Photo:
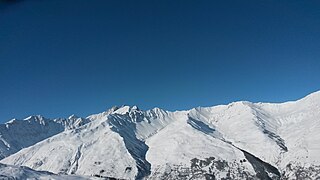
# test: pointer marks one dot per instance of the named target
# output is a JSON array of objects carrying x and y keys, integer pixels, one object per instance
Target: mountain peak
[
  {"x": 126, "y": 109},
  {"x": 73, "y": 116},
  {"x": 35, "y": 117}
]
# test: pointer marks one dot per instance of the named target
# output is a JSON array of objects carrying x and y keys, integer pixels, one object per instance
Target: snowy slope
[
  {"x": 299, "y": 126},
  {"x": 188, "y": 148},
  {"x": 241, "y": 140},
  {"x": 14, "y": 172}
]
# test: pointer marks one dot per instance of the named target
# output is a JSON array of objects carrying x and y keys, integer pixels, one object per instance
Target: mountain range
[{"x": 241, "y": 140}]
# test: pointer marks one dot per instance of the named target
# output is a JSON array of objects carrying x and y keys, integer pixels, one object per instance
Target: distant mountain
[
  {"x": 241, "y": 140},
  {"x": 18, "y": 134}
]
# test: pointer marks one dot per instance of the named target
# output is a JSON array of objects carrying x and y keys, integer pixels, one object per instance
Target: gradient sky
[{"x": 63, "y": 57}]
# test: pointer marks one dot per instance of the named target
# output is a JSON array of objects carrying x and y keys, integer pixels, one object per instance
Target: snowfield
[{"x": 241, "y": 140}]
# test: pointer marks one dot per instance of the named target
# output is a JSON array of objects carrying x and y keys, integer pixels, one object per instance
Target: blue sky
[{"x": 59, "y": 58}]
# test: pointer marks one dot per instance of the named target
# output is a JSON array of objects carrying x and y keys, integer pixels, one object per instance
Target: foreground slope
[
  {"x": 242, "y": 140},
  {"x": 14, "y": 172}
]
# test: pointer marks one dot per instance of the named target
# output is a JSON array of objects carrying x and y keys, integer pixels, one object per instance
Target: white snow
[{"x": 126, "y": 142}]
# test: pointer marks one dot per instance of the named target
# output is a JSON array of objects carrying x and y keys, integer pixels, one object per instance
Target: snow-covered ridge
[{"x": 240, "y": 140}]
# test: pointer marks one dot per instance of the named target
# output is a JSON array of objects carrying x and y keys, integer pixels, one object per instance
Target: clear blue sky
[{"x": 73, "y": 56}]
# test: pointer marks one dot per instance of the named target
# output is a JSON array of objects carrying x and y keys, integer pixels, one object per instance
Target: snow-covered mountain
[{"x": 241, "y": 140}]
